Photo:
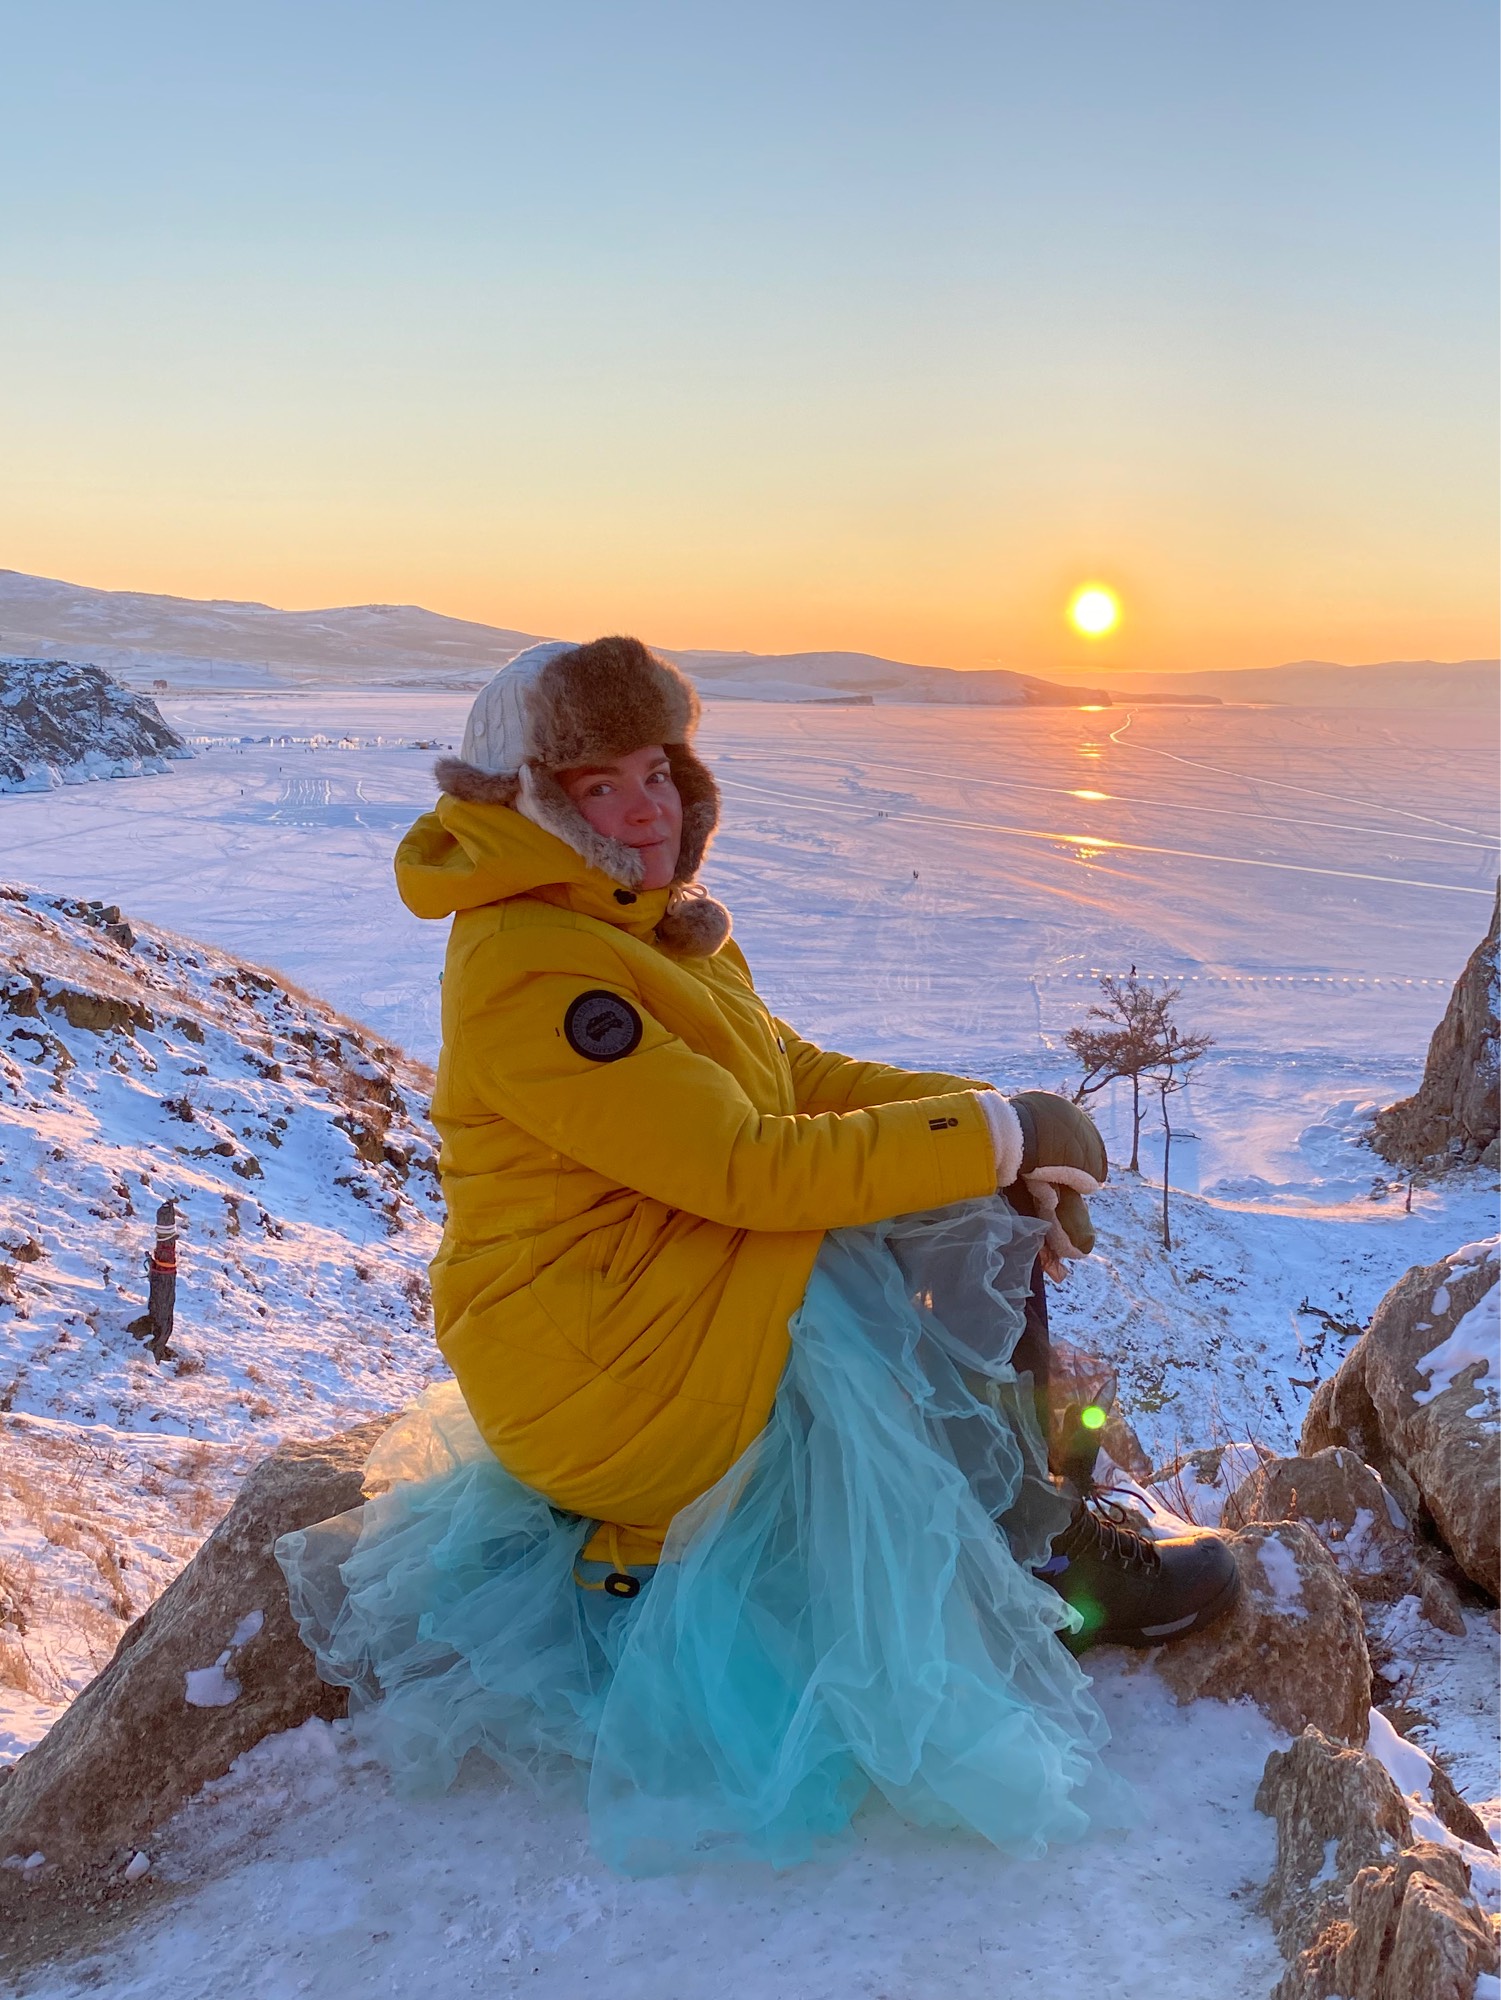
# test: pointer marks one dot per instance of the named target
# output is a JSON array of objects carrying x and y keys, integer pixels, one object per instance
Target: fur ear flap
[
  {"x": 475, "y": 787},
  {"x": 700, "y": 796},
  {"x": 544, "y": 802},
  {"x": 695, "y": 925}
]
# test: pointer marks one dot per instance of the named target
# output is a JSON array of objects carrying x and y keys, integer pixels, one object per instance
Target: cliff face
[
  {"x": 64, "y": 723},
  {"x": 1452, "y": 1119}
]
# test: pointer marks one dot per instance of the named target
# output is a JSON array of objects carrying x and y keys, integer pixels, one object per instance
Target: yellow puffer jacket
[{"x": 630, "y": 1229}]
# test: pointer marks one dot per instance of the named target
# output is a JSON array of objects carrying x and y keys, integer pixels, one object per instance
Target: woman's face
[{"x": 634, "y": 800}]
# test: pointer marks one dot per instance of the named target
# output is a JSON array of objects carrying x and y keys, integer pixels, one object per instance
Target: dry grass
[{"x": 19, "y": 1671}]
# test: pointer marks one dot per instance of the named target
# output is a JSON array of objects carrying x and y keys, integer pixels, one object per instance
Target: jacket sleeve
[
  {"x": 677, "y": 1126},
  {"x": 825, "y": 1081}
]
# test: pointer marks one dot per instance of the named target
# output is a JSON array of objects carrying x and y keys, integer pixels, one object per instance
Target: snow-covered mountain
[
  {"x": 216, "y": 644},
  {"x": 137, "y": 1067}
]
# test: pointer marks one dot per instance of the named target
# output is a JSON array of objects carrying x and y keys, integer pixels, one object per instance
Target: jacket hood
[{"x": 468, "y": 853}]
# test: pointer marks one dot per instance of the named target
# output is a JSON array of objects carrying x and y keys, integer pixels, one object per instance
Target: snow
[
  {"x": 211, "y": 1687},
  {"x": 247, "y": 1628},
  {"x": 1405, "y": 1763},
  {"x": 1313, "y": 882},
  {"x": 1411, "y": 1770},
  {"x": 1281, "y": 1572},
  {"x": 307, "y": 1877},
  {"x": 1474, "y": 1343}
]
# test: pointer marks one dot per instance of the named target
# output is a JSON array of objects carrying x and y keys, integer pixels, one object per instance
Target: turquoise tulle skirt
[{"x": 839, "y": 1613}]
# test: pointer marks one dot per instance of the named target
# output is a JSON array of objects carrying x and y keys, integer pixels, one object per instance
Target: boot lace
[{"x": 1101, "y": 1527}]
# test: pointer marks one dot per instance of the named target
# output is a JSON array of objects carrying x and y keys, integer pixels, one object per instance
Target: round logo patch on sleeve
[{"x": 602, "y": 1026}]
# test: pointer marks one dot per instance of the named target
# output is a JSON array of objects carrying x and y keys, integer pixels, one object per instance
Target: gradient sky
[{"x": 776, "y": 326}]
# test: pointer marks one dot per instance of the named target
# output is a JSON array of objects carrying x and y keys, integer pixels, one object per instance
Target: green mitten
[
  {"x": 1056, "y": 1133},
  {"x": 1074, "y": 1219}
]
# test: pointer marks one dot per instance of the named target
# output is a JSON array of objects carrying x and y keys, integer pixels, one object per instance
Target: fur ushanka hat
[{"x": 555, "y": 707}]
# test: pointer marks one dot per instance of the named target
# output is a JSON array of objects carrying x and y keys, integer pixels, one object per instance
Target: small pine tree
[
  {"x": 1130, "y": 1042},
  {"x": 1172, "y": 1073}
]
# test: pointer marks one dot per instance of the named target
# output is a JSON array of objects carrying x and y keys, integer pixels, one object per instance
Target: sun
[{"x": 1094, "y": 611}]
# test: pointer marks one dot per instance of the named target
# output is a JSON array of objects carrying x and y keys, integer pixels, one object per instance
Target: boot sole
[{"x": 1144, "y": 1637}]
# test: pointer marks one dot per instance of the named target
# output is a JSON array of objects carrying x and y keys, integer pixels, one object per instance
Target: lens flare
[
  {"x": 1094, "y": 611},
  {"x": 1092, "y": 1417}
]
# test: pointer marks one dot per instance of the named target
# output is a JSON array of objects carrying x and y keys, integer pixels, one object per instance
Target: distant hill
[
  {"x": 189, "y": 642},
  {"x": 220, "y": 643},
  {"x": 1446, "y": 684},
  {"x": 217, "y": 643},
  {"x": 756, "y": 675}
]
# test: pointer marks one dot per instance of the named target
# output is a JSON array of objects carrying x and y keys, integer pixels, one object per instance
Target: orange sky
[{"x": 784, "y": 333}]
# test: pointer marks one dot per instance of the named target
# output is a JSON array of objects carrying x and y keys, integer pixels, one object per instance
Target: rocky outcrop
[
  {"x": 64, "y": 723},
  {"x": 1348, "y": 1508},
  {"x": 1294, "y": 1644},
  {"x": 211, "y": 1668},
  {"x": 1453, "y": 1120},
  {"x": 1361, "y": 1909},
  {"x": 1417, "y": 1398}
]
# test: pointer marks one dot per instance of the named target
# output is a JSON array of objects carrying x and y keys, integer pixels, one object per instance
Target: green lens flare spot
[{"x": 1092, "y": 1417}]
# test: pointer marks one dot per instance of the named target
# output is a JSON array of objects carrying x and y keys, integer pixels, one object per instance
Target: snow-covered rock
[
  {"x": 1454, "y": 1115},
  {"x": 212, "y": 1667},
  {"x": 1348, "y": 1508},
  {"x": 64, "y": 723},
  {"x": 1294, "y": 1643},
  {"x": 1361, "y": 1909},
  {"x": 1419, "y": 1397}
]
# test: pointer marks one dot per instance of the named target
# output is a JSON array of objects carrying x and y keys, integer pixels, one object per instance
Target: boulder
[
  {"x": 1362, "y": 1909},
  {"x": 1439, "y": 1602},
  {"x": 1412, "y": 1931},
  {"x": 1452, "y": 1118},
  {"x": 1294, "y": 1643},
  {"x": 1348, "y": 1508},
  {"x": 1417, "y": 1398},
  {"x": 211, "y": 1668},
  {"x": 1337, "y": 1811}
]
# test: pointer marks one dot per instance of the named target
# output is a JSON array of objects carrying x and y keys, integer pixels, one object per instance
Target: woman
[{"x": 733, "y": 1323}]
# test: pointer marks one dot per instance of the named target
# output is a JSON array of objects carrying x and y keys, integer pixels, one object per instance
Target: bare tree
[
  {"x": 1173, "y": 1072},
  {"x": 1130, "y": 1042}
]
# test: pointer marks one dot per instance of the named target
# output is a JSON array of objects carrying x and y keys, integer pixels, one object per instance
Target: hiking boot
[{"x": 1132, "y": 1590}]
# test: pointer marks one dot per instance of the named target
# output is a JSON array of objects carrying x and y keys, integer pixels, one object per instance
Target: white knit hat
[{"x": 495, "y": 736}]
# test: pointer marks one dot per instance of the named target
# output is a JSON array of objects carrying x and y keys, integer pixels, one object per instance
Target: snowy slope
[{"x": 294, "y": 1146}]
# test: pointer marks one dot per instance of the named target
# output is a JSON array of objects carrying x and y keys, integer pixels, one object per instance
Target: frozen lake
[{"x": 939, "y": 886}]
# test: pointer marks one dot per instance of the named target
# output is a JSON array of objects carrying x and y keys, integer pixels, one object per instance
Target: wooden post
[{"x": 155, "y": 1324}]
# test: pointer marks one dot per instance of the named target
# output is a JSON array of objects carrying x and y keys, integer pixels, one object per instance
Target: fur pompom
[{"x": 695, "y": 924}]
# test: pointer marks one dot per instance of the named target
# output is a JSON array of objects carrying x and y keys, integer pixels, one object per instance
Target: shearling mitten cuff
[{"x": 1005, "y": 1135}]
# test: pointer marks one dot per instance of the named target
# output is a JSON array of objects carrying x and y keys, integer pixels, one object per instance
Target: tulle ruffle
[{"x": 839, "y": 1613}]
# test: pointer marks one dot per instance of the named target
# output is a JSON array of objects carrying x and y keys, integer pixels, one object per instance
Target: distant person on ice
[{"x": 741, "y": 1505}]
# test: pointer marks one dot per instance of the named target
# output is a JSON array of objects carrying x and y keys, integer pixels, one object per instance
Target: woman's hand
[{"x": 1055, "y": 1152}]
